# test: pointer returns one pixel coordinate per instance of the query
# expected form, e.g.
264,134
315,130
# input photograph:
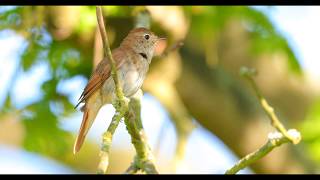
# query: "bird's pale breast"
131,76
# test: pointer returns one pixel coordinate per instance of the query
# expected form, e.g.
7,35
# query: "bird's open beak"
161,45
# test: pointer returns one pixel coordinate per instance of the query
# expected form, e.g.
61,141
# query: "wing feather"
101,74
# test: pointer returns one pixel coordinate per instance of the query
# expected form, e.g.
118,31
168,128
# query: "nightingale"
132,59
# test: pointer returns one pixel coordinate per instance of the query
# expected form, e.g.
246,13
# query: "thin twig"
174,47
107,52
275,122
274,140
121,106
106,143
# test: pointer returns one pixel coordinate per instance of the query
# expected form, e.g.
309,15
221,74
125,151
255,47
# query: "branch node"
295,136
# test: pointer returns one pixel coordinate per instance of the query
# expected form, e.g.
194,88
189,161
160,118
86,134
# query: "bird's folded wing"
101,74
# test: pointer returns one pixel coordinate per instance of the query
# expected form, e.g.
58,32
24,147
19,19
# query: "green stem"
275,139
131,113
253,157
132,169
107,52
275,122
106,143
121,108
144,157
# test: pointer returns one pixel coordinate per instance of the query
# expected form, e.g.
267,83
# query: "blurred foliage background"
199,81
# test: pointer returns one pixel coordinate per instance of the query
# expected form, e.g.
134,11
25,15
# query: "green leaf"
43,134
310,130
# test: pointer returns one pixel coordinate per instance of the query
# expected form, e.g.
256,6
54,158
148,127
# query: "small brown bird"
132,59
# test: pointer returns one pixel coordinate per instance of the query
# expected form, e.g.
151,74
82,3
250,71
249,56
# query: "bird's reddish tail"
82,132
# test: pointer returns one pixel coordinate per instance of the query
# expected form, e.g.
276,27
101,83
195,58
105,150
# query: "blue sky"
300,25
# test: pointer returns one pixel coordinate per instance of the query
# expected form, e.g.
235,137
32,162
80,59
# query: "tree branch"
144,158
275,122
106,143
274,139
130,112
107,52
120,105
132,169
174,47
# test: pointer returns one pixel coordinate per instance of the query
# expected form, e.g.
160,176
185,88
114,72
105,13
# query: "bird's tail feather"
89,115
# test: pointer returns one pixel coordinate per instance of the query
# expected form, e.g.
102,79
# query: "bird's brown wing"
101,74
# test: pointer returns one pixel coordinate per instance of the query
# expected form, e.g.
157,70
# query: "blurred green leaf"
31,55
310,130
264,38
43,132
10,18
88,20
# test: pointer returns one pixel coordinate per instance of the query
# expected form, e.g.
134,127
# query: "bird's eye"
146,36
